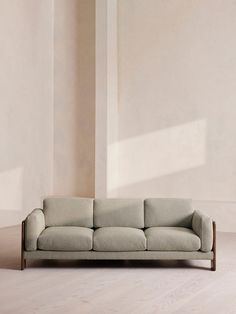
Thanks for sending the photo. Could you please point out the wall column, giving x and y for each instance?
(106, 163)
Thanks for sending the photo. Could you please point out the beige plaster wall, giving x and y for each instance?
(47, 103)
(177, 82)
(174, 100)
(176, 104)
(26, 90)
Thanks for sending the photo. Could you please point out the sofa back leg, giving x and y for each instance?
(22, 245)
(213, 262)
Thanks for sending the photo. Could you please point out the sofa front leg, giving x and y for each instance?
(22, 245)
(213, 261)
(23, 264)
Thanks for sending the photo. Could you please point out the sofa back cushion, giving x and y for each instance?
(68, 211)
(168, 212)
(119, 213)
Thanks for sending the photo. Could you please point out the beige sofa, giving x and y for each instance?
(112, 229)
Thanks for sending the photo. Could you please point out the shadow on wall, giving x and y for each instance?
(164, 152)
(74, 98)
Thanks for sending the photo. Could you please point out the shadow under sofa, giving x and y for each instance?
(118, 229)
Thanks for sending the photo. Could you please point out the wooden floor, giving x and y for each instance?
(116, 287)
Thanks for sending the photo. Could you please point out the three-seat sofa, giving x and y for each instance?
(112, 229)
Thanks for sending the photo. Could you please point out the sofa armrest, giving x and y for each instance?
(203, 226)
(34, 225)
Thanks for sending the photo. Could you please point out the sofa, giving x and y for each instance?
(118, 229)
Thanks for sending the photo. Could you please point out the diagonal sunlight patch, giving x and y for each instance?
(159, 153)
(11, 189)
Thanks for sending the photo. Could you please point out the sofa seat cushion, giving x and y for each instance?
(172, 239)
(119, 239)
(66, 239)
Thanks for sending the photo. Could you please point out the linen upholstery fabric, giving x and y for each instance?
(34, 225)
(122, 239)
(119, 239)
(66, 239)
(68, 211)
(172, 239)
(119, 213)
(202, 225)
(164, 212)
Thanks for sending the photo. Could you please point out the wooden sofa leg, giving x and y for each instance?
(213, 262)
(23, 262)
